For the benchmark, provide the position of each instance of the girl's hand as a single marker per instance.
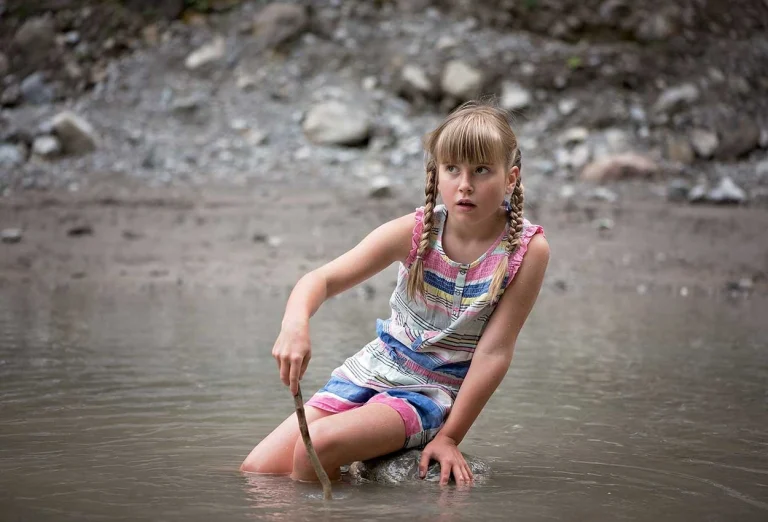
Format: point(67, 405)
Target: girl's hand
point(292, 352)
point(446, 452)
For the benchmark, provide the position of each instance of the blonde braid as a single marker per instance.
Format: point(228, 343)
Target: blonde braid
point(416, 273)
point(515, 220)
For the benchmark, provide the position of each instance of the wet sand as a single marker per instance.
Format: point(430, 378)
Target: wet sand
point(126, 234)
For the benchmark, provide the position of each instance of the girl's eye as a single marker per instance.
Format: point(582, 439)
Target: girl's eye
point(452, 169)
point(482, 170)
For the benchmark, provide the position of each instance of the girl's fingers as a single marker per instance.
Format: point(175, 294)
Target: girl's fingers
point(445, 474)
point(304, 367)
point(458, 474)
point(293, 373)
point(284, 372)
point(423, 464)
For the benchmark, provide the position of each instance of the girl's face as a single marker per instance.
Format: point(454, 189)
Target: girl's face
point(475, 191)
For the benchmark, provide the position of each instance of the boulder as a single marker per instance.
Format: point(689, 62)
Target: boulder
point(704, 142)
point(35, 89)
point(461, 81)
point(11, 235)
point(279, 23)
point(619, 166)
point(403, 467)
point(515, 97)
point(737, 138)
point(208, 53)
point(35, 39)
point(46, 147)
point(336, 123)
point(415, 82)
point(727, 192)
point(676, 97)
point(76, 135)
point(12, 155)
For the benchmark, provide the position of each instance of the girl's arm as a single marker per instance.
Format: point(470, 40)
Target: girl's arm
point(388, 243)
point(490, 363)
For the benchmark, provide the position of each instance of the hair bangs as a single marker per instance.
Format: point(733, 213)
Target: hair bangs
point(473, 140)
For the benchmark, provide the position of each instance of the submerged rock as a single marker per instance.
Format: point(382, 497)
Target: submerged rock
point(403, 467)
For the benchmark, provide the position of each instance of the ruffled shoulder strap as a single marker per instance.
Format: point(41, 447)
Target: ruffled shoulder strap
point(529, 230)
point(418, 227)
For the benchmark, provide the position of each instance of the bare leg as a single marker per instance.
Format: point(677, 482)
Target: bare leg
point(274, 454)
point(360, 434)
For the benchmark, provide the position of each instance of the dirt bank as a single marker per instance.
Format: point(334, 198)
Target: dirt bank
point(121, 233)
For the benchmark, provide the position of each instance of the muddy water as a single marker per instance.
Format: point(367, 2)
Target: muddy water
point(140, 404)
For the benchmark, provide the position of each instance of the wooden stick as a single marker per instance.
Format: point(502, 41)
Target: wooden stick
point(304, 429)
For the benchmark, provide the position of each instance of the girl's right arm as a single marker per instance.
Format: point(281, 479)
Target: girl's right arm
point(387, 244)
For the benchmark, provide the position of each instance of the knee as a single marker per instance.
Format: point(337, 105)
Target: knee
point(323, 441)
point(254, 465)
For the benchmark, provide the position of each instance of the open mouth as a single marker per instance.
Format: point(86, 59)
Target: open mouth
point(466, 204)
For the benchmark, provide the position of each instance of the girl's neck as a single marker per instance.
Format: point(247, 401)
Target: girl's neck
point(487, 230)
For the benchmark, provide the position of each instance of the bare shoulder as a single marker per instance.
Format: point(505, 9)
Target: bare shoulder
point(398, 233)
point(538, 251)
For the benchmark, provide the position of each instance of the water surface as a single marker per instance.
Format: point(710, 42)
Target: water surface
point(121, 404)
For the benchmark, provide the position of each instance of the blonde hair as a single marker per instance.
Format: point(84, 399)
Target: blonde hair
point(475, 133)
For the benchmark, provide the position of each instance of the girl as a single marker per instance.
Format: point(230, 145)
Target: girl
point(470, 272)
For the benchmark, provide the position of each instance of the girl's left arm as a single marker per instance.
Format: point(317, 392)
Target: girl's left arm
point(489, 364)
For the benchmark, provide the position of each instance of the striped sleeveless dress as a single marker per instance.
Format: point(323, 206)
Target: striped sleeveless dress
point(422, 352)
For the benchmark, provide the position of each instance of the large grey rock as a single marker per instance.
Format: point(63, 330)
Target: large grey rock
point(11, 235)
point(657, 27)
point(12, 155)
point(279, 23)
point(727, 192)
point(76, 135)
point(35, 39)
point(619, 166)
point(336, 123)
point(11, 95)
point(461, 81)
point(761, 169)
point(738, 137)
point(46, 147)
point(515, 97)
point(381, 187)
point(35, 89)
point(208, 53)
point(704, 142)
point(415, 80)
point(675, 97)
point(403, 467)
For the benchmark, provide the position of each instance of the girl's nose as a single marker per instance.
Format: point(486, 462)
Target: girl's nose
point(465, 182)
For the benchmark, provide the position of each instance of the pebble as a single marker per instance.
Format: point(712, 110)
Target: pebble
point(206, 54)
point(727, 192)
point(11, 235)
point(678, 190)
point(381, 187)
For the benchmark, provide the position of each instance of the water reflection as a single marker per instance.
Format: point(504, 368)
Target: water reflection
point(140, 405)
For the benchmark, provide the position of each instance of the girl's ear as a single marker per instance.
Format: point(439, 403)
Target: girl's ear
point(512, 176)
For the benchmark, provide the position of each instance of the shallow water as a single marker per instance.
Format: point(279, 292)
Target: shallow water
point(141, 404)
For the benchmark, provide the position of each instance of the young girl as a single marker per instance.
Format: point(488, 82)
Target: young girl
point(470, 272)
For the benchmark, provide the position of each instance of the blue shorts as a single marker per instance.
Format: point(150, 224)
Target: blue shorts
point(422, 415)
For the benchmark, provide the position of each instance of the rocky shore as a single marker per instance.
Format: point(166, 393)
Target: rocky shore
point(658, 112)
